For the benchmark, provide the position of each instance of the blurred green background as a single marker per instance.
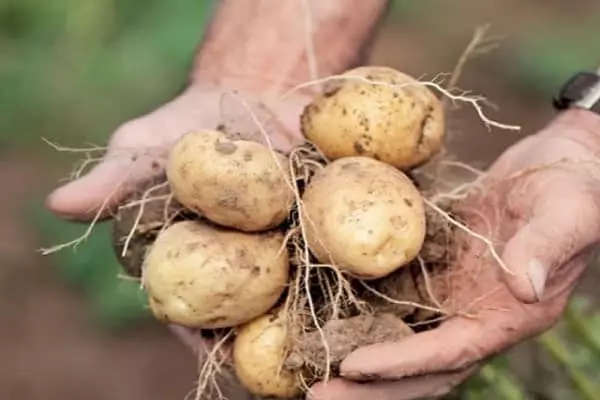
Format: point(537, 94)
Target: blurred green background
point(71, 71)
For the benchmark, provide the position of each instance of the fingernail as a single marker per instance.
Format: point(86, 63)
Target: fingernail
point(537, 274)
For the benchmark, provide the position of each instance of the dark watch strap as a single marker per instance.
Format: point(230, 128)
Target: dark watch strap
point(581, 90)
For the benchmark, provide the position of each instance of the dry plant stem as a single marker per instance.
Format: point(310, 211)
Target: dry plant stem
point(479, 44)
point(469, 231)
point(462, 97)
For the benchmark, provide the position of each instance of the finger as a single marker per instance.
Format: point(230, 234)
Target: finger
point(457, 344)
point(558, 231)
point(405, 389)
point(97, 192)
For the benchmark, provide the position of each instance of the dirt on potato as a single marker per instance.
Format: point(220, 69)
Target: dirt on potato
point(376, 112)
point(237, 184)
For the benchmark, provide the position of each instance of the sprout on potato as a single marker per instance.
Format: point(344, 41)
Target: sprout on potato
point(207, 277)
point(364, 216)
point(402, 126)
point(259, 352)
point(235, 183)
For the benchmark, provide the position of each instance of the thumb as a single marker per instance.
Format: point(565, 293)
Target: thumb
point(549, 240)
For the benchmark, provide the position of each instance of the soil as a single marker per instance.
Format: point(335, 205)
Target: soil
point(343, 337)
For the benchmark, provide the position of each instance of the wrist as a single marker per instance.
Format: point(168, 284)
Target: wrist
point(256, 46)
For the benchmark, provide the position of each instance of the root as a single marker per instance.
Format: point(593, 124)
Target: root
point(93, 155)
point(479, 44)
point(401, 302)
point(77, 241)
point(208, 387)
point(490, 245)
point(139, 215)
point(459, 97)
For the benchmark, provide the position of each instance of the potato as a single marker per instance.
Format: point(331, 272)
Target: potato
point(259, 352)
point(401, 126)
point(208, 277)
point(365, 216)
point(235, 183)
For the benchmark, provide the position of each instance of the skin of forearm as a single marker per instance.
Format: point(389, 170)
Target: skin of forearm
point(263, 44)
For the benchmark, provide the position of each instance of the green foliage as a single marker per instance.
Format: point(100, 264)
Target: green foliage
point(545, 58)
point(73, 70)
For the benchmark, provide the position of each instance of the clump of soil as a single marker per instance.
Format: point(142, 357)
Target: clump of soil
point(343, 336)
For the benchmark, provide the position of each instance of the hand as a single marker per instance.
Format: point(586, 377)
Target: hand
point(542, 200)
point(138, 149)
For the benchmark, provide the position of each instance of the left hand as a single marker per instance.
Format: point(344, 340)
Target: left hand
point(549, 222)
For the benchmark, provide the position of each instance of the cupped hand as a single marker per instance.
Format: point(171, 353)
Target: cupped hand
point(541, 205)
point(138, 150)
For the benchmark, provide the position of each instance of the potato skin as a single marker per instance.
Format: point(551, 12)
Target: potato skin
point(234, 183)
point(365, 216)
point(401, 126)
point(202, 276)
point(259, 352)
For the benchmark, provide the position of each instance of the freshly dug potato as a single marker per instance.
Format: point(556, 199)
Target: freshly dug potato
point(365, 216)
point(207, 277)
point(259, 352)
point(401, 126)
point(235, 183)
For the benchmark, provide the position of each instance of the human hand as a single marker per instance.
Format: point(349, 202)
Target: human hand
point(138, 150)
point(542, 201)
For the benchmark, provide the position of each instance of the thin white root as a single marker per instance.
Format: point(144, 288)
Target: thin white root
point(139, 216)
point(462, 97)
point(400, 302)
point(428, 287)
point(76, 242)
point(469, 231)
point(211, 368)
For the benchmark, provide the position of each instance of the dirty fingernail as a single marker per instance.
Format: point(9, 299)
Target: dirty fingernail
point(537, 274)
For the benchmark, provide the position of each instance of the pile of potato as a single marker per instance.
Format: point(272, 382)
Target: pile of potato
point(226, 263)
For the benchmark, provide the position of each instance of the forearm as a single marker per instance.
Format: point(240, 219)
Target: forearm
point(262, 44)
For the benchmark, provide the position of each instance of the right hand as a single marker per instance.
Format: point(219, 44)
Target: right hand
point(137, 151)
